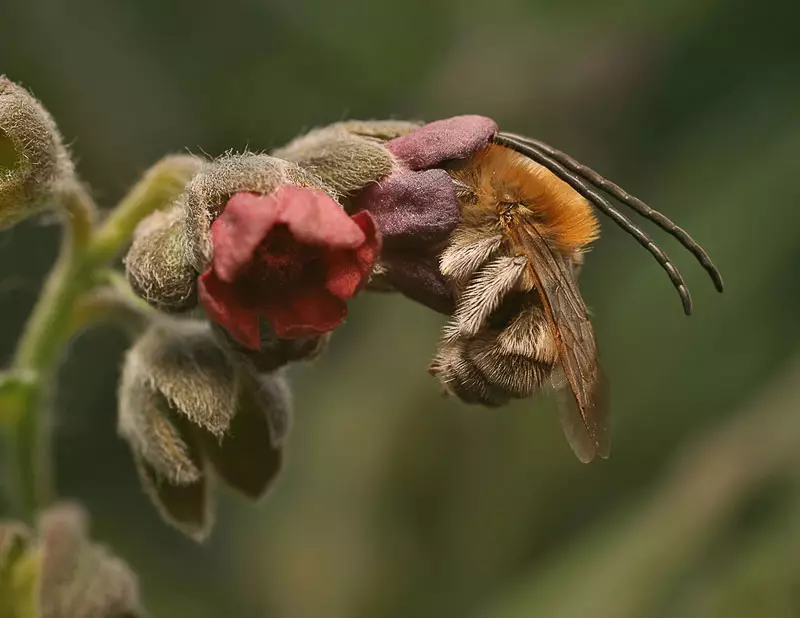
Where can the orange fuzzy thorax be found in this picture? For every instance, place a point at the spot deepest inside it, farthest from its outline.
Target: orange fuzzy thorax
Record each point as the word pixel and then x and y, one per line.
pixel 498 175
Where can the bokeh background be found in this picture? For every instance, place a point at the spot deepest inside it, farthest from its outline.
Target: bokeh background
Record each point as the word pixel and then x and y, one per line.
pixel 396 502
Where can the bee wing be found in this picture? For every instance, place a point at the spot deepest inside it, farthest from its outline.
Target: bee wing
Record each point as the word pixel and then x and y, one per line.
pixel 582 440
pixel 584 404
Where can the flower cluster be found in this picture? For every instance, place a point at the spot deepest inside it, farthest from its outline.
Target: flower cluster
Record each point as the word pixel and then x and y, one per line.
pixel 271 248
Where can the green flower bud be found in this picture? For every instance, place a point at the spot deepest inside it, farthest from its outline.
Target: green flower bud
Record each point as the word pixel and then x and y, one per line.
pixel 33 159
pixel 156 264
pixel 189 407
pixel 19 572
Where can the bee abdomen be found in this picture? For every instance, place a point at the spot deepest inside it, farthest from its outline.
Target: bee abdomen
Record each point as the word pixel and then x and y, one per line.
pixel 459 376
pixel 515 375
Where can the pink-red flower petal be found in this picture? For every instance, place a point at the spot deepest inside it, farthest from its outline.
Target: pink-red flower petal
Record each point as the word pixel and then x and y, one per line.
pixel 348 271
pixel 307 312
pixel 224 305
pixel 240 228
pixel 316 219
pixel 293 256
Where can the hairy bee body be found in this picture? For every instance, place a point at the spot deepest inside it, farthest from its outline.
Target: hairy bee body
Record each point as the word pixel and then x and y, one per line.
pixel 498 345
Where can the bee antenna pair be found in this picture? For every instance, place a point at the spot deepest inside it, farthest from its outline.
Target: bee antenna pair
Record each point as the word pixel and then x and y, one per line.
pixel 585 180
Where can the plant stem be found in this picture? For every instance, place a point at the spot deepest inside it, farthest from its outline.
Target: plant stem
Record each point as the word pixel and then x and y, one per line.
pixel 86 250
pixel 160 186
pixel 40 342
pixel 38 350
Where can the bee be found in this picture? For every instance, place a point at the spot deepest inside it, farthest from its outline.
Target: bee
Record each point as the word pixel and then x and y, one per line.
pixel 520 323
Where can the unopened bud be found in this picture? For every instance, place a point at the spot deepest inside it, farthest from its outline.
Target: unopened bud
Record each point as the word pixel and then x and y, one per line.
pixel 175 377
pixel 182 361
pixel 248 457
pixel 33 159
pixel 156 264
pixel 189 407
pixel 186 507
pixel 343 160
pixel 79 579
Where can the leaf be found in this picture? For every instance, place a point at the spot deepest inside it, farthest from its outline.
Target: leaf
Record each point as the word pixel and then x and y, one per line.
pixel 14 387
pixel 19 573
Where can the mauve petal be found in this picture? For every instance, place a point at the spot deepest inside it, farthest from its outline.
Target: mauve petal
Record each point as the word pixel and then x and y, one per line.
pixel 235 234
pixel 453 138
pixel 413 208
pixel 419 279
pixel 348 270
pixel 223 305
pixel 315 218
pixel 305 313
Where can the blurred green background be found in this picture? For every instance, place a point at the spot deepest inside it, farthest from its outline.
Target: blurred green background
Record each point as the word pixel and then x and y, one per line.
pixel 396 502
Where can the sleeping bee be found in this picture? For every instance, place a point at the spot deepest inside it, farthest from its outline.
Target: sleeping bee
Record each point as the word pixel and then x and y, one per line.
pixel 520 322
pixel 507 268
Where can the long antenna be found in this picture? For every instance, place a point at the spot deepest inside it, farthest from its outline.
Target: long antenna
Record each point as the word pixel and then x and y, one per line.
pixel 602 204
pixel 613 189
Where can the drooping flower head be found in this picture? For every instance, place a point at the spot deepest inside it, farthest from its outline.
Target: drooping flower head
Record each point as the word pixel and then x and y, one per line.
pixel 293 256
pixel 266 248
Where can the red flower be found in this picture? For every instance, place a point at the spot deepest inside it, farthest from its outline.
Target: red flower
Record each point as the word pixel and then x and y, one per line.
pixel 293 256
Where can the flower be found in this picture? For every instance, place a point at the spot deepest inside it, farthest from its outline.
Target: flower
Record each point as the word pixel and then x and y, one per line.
pixel 293 256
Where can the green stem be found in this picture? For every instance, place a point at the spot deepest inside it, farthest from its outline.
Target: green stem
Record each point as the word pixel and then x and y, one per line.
pixel 40 342
pixel 85 254
pixel 37 352
pixel 161 185
pixel 115 301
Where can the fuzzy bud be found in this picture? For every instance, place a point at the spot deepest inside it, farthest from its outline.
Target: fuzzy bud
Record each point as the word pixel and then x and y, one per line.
pixel 60 573
pixel 247 458
pixel 176 370
pixel 189 407
pixel 80 579
pixel 209 191
pixel 185 507
pixel 156 264
pixel 343 159
pixel 33 159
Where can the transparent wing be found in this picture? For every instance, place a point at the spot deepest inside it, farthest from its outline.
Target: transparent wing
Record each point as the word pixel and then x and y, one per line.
pixel 583 397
